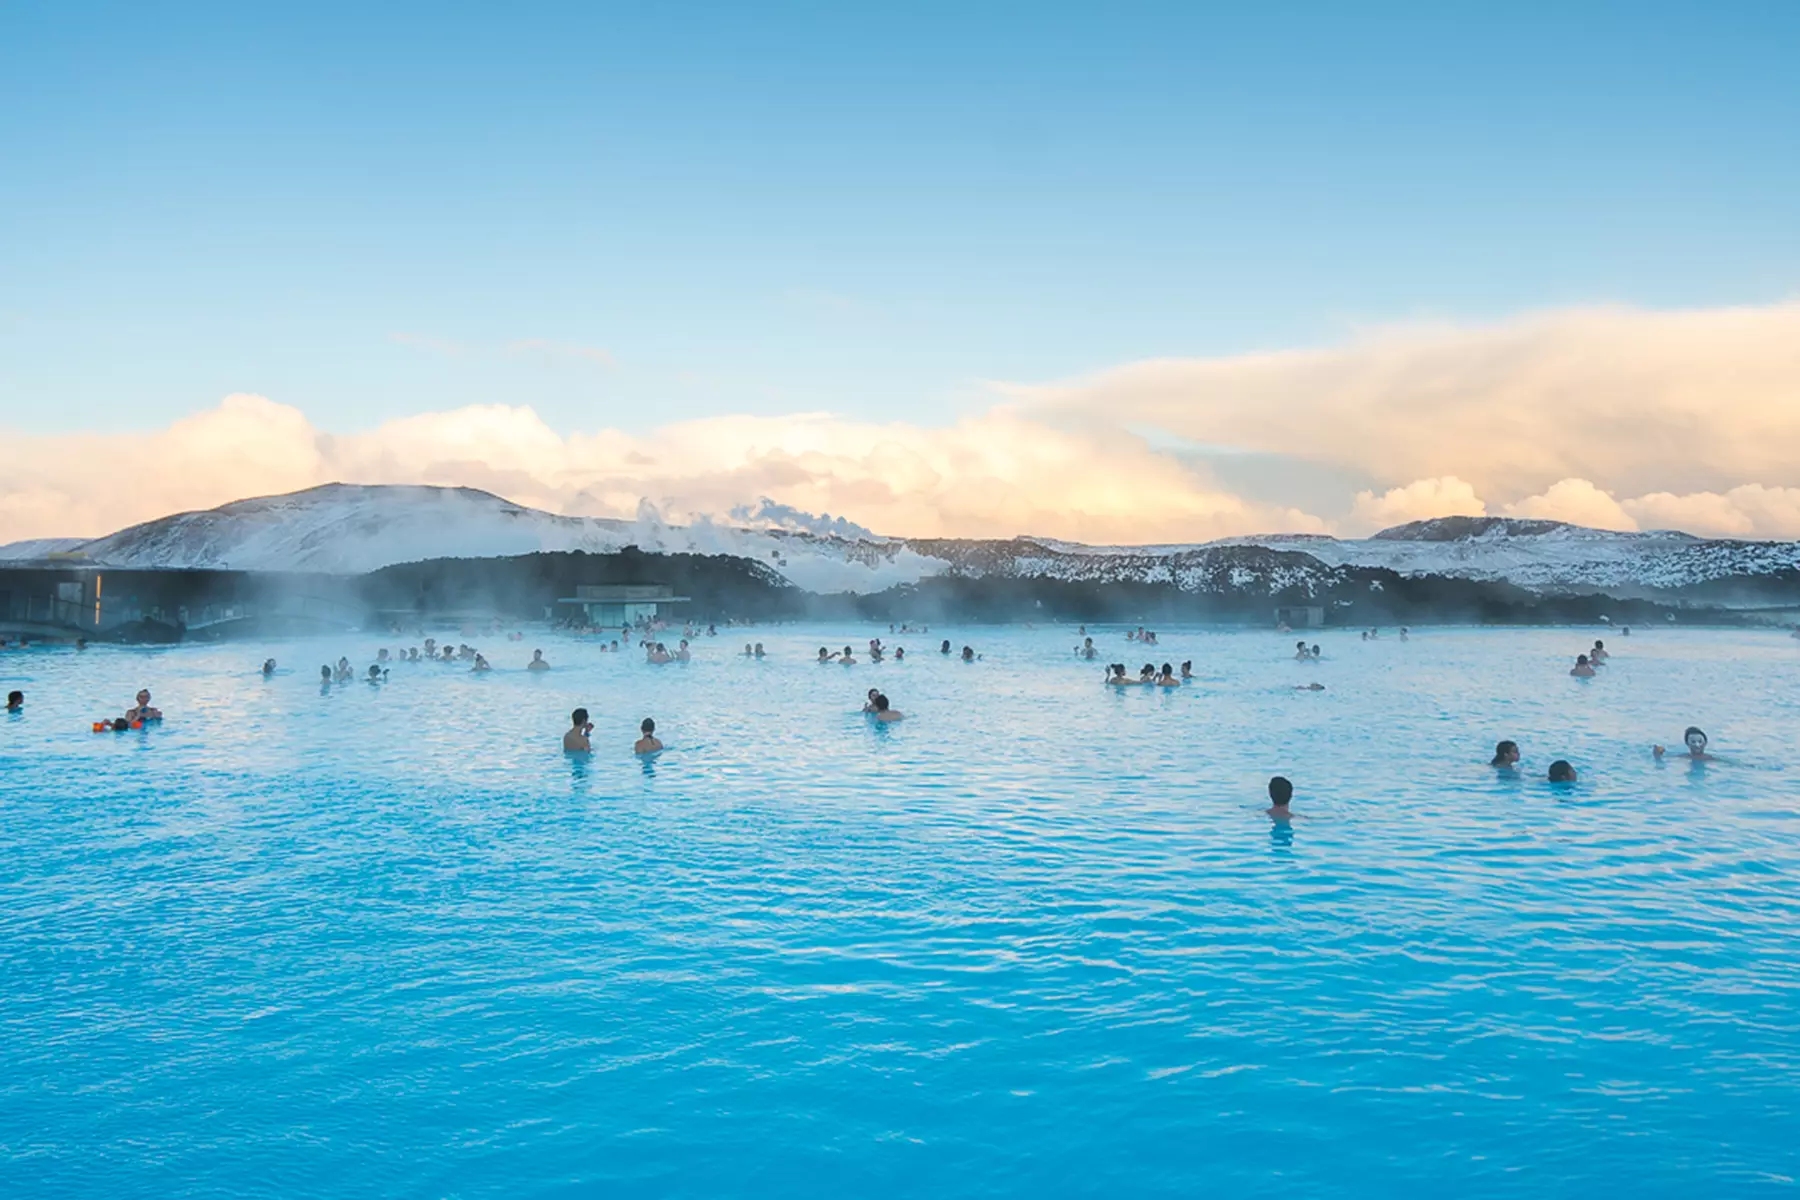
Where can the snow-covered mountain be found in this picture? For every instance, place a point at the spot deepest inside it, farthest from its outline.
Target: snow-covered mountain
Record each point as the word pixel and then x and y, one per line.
pixel 348 529
pixel 351 529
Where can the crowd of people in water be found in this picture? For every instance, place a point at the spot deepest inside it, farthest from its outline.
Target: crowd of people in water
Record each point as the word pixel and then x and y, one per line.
pixel 577 738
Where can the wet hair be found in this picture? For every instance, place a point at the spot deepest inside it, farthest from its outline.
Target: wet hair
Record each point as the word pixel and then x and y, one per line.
pixel 649 726
pixel 1561 771
pixel 1501 750
pixel 1148 669
pixel 324 672
pixel 1168 668
pixel 1691 730
pixel 945 648
pixel 1599 645
pixel 120 725
pixel 13 699
pixel 881 703
pixel 578 717
pixel 1280 790
pixel 1580 658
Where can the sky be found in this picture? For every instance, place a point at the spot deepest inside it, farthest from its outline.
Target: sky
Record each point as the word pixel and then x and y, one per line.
pixel 1114 272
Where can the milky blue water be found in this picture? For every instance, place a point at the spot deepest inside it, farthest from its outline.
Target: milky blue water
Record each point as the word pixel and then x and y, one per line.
pixel 1038 938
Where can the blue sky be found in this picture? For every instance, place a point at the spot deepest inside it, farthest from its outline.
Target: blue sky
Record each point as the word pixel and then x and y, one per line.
pixel 627 216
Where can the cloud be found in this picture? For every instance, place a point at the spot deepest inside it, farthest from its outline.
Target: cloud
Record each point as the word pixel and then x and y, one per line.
pixel 423 341
pixel 565 351
pixel 1745 511
pixel 994 475
pixel 1634 401
pixel 1613 417
pixel 1577 502
pixel 1447 496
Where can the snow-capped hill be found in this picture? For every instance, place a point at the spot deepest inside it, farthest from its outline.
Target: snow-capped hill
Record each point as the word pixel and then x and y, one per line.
pixel 1203 568
pixel 347 529
pixel 1457 529
pixel 33 548
pixel 352 529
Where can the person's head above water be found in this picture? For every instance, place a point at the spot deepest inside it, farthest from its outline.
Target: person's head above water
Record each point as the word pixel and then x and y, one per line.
pixel 1505 753
pixel 1561 771
pixel 1280 791
pixel 15 700
pixel 1168 668
pixel 578 717
pixel 1581 660
pixel 1695 738
pixel 945 648
pixel 881 703
pixel 648 726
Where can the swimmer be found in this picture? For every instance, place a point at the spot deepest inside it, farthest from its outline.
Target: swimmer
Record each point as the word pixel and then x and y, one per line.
pixel 375 675
pixel 1403 632
pixel 1506 756
pixel 268 667
pixel 481 666
pixel 1281 794
pixel 1315 686
pixel 1317 653
pixel 614 648
pixel 1581 669
pixel 324 676
pixel 1167 678
pixel 1301 653
pixel 968 654
pixel 142 710
pixel 449 654
pixel 1115 675
pixel 381 655
pixel 1598 654
pixel 825 656
pixel 1562 772
pixel 537 662
pixel 847 658
pixel 899 653
pixel 945 648
pixel 869 704
pixel 748 653
pixel 884 713
pixel 759 650
pixel 1187 669
pixel 81 643
pixel 1695 739
pixel 649 743
pixel 15 702
pixel 343 674
pixel 1086 649
pixel 1147 674
pixel 682 653
pixel 430 647
pixel 575 739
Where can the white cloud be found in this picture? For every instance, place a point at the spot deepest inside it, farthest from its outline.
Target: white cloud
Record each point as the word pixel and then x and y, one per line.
pixel 1447 496
pixel 1576 501
pixel 1634 401
pixel 1750 510
pixel 1612 417
pixel 996 475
